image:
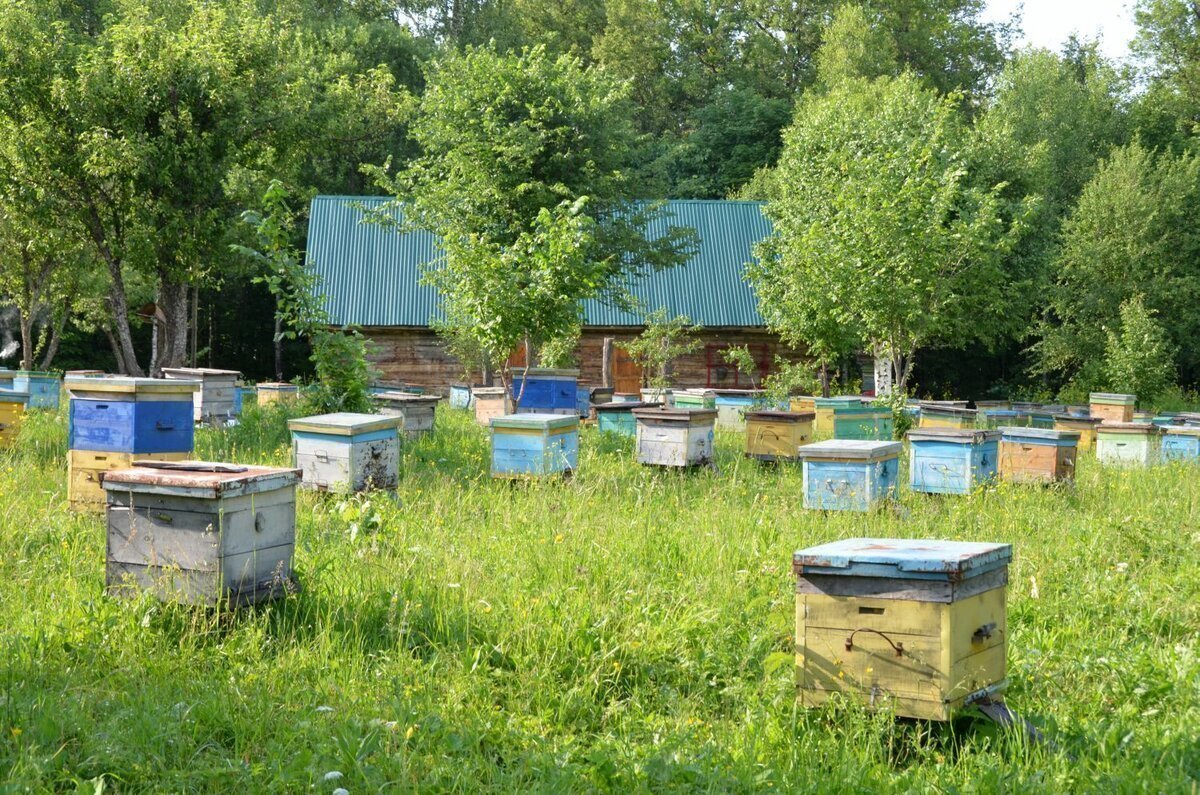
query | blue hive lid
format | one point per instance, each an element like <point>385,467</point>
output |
<point>856,449</point>
<point>902,558</point>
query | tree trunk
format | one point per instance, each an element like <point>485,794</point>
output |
<point>56,331</point>
<point>824,380</point>
<point>25,321</point>
<point>173,337</point>
<point>116,349</point>
<point>195,321</point>
<point>118,304</point>
<point>278,347</point>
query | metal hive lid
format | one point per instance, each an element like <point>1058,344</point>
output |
<point>1112,397</point>
<point>1147,428</point>
<point>190,372</point>
<point>1047,434</point>
<point>114,383</point>
<point>203,479</point>
<point>663,414</point>
<point>404,397</point>
<point>535,420</point>
<point>781,416</point>
<point>344,423</point>
<point>865,450</point>
<point>962,435</point>
<point>903,558</point>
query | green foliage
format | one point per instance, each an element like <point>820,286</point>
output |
<point>855,46</point>
<point>790,378</point>
<point>663,340</point>
<point>741,358</point>
<point>1169,40</point>
<point>560,351</point>
<point>1139,359</point>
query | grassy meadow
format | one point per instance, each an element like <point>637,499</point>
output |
<point>625,630</point>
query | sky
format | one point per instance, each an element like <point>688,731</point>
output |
<point>1048,23</point>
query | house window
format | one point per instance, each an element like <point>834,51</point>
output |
<point>723,375</point>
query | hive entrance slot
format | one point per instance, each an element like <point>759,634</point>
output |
<point>870,611</point>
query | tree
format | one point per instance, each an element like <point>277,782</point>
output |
<point>523,180</point>
<point>854,46</point>
<point>663,340</point>
<point>1139,359</point>
<point>1168,39</point>
<point>880,233</point>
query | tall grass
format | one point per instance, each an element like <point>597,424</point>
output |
<point>622,630</point>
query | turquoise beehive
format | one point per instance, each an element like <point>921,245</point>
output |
<point>849,474</point>
<point>951,460</point>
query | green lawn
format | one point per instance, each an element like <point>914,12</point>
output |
<point>628,629</point>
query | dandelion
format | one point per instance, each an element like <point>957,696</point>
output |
<point>333,775</point>
<point>1122,567</point>
<point>558,538</point>
<point>341,791</point>
<point>409,732</point>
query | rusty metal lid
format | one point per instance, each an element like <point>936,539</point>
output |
<point>204,479</point>
<point>902,558</point>
<point>1147,428</point>
<point>658,413</point>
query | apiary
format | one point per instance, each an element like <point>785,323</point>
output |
<point>1006,418</point>
<point>272,392</point>
<point>674,437</point>
<point>43,388</point>
<point>490,401</point>
<point>534,445</point>
<point>863,422</point>
<point>802,403</point>
<point>214,400</point>
<point>416,412</point>
<point>347,452</point>
<point>849,474</point>
<point>1128,443</point>
<point>1111,407</point>
<point>200,533</point>
<point>1180,444</point>
<point>939,416</point>
<point>12,411</point>
<point>823,408</point>
<point>694,399</point>
<point>916,627</point>
<point>1086,426</point>
<point>1037,455</point>
<point>732,405</point>
<point>618,417</point>
<point>130,415</point>
<point>547,391</point>
<point>777,435</point>
<point>952,460</point>
<point>460,396</point>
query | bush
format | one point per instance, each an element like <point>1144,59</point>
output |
<point>1139,359</point>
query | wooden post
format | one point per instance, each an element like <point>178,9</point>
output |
<point>606,351</point>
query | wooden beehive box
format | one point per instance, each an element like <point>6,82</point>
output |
<point>130,415</point>
<point>1042,418</point>
<point>732,405</point>
<point>823,408</point>
<point>242,394</point>
<point>802,403</point>
<point>200,533</point>
<point>490,401</point>
<point>1128,443</point>
<point>627,397</point>
<point>863,422</point>
<point>534,445</point>
<point>777,435</point>
<point>951,460</point>
<point>7,377</point>
<point>984,406</point>
<point>1006,418</point>
<point>416,412</point>
<point>583,399</point>
<point>695,399</point>
<point>547,391</point>
<point>602,394</point>
<point>954,417</point>
<point>44,388</point>
<point>213,402</point>
<point>272,392</point>
<point>460,395</point>
<point>618,417</point>
<point>347,452</point>
<point>86,470</point>
<point>849,474</point>
<point>1112,407</point>
<point>1167,419</point>
<point>1085,426</point>
<point>916,627</point>
<point>1037,455</point>
<point>674,437</point>
<point>12,412</point>
<point>1180,443</point>
<point>656,395</point>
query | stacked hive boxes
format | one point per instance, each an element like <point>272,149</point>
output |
<point>777,435</point>
<point>113,421</point>
<point>214,400</point>
<point>543,390</point>
<point>416,412</point>
<point>347,452</point>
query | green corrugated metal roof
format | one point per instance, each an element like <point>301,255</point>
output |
<point>370,274</point>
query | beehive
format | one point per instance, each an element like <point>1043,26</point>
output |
<point>984,406</point>
<point>1037,455</point>
<point>43,388</point>
<point>130,415</point>
<point>657,395</point>
<point>583,399</point>
<point>1167,419</point>
<point>86,470</point>
<point>534,445</point>
<point>546,391</point>
<point>199,533</point>
<point>7,377</point>
<point>272,392</point>
<point>1188,418</point>
<point>1180,444</point>
<point>944,404</point>
<point>627,397</point>
<point>1111,407</point>
<point>618,417</point>
<point>241,395</point>
<point>416,412</point>
<point>347,452</point>
<point>1042,418</point>
<point>12,412</point>
<point>951,460</point>
<point>490,401</point>
<point>1127,443</point>
<point>954,417</point>
<point>213,402</point>
<point>863,422</point>
<point>674,437</point>
<point>849,474</point>
<point>916,627</point>
<point>802,404</point>
<point>1086,426</point>
<point>694,399</point>
<point>460,396</point>
<point>732,405</point>
<point>1006,418</point>
<point>602,394</point>
<point>823,408</point>
<point>777,435</point>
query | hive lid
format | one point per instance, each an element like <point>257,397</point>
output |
<point>866,450</point>
<point>280,385</point>
<point>1043,434</point>
<point>36,374</point>
<point>204,479</point>
<point>13,396</point>
<point>405,397</point>
<point>344,423</point>
<point>942,404</point>
<point>489,391</point>
<point>535,420</point>
<point>199,372</point>
<point>1182,430</point>
<point>125,384</point>
<point>697,392</point>
<point>841,400</point>
<point>746,393</point>
<point>902,558</point>
<point>1077,418</point>
<point>663,414</point>
<point>773,415</point>
<point>1113,398</point>
<point>945,408</point>
<point>464,385</point>
<point>953,435</point>
<point>552,372</point>
<point>629,405</point>
<point>991,404</point>
<point>862,409</point>
<point>1146,428</point>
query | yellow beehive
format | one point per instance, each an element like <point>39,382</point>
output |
<point>12,412</point>
<point>86,470</point>
<point>777,435</point>
<point>1086,426</point>
<point>803,403</point>
<point>276,392</point>
<point>914,626</point>
<point>945,416</point>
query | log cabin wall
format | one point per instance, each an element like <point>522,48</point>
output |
<point>417,356</point>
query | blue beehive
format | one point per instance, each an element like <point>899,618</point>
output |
<point>130,415</point>
<point>952,460</point>
<point>461,397</point>
<point>1180,444</point>
<point>534,445</point>
<point>583,399</point>
<point>43,388</point>
<point>849,474</point>
<point>617,417</point>
<point>547,391</point>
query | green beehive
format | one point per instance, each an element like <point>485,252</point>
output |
<point>864,423</point>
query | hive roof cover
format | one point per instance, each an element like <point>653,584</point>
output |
<point>83,383</point>
<point>1047,434</point>
<point>535,420</point>
<point>199,478</point>
<point>398,396</point>
<point>1111,397</point>
<point>898,556</point>
<point>200,371</point>
<point>344,423</point>
<point>850,448</point>
<point>964,435</point>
